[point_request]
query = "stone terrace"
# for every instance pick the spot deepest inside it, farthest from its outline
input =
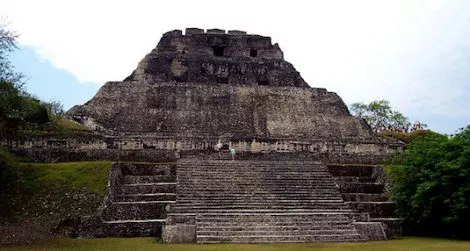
(263, 201)
(139, 195)
(363, 189)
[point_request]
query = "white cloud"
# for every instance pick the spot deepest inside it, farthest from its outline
(363, 50)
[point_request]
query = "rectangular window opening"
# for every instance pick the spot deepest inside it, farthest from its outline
(263, 82)
(218, 50)
(253, 53)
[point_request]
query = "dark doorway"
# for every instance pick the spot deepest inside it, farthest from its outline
(218, 50)
(263, 82)
(253, 53)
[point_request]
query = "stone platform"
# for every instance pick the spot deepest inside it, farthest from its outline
(220, 201)
(363, 188)
(139, 197)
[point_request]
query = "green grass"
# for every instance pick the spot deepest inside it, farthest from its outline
(91, 176)
(67, 124)
(50, 191)
(411, 244)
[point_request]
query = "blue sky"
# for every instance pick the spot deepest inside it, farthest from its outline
(414, 53)
(50, 83)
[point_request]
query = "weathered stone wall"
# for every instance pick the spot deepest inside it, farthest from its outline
(169, 148)
(216, 57)
(240, 111)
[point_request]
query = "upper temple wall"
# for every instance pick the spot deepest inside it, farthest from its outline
(217, 57)
(217, 43)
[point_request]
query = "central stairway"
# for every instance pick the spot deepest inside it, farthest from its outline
(262, 201)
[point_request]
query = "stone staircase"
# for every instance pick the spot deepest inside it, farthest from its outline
(363, 189)
(260, 201)
(139, 197)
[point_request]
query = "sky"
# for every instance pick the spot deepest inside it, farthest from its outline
(416, 54)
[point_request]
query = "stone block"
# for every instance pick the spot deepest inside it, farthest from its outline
(191, 31)
(236, 32)
(371, 231)
(392, 226)
(216, 31)
(179, 233)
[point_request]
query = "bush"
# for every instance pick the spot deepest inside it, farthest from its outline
(8, 178)
(431, 184)
(406, 137)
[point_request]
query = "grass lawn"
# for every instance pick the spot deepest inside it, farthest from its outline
(409, 243)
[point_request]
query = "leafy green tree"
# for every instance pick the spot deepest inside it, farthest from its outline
(7, 45)
(19, 109)
(381, 117)
(431, 184)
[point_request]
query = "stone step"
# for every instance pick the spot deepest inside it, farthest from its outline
(194, 190)
(243, 232)
(256, 196)
(380, 209)
(198, 190)
(254, 165)
(162, 187)
(256, 171)
(328, 225)
(146, 197)
(267, 175)
(133, 228)
(364, 197)
(212, 193)
(255, 190)
(259, 201)
(247, 162)
(264, 197)
(298, 224)
(351, 170)
(248, 180)
(261, 173)
(227, 176)
(297, 220)
(356, 179)
(357, 187)
(251, 194)
(261, 190)
(141, 210)
(274, 202)
(138, 179)
(255, 199)
(189, 207)
(258, 182)
(289, 212)
(280, 213)
(147, 169)
(204, 208)
(292, 211)
(261, 204)
(279, 238)
(285, 205)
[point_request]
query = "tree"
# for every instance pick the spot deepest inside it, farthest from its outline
(7, 45)
(380, 116)
(431, 184)
(19, 109)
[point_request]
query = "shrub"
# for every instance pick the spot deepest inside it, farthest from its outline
(431, 184)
